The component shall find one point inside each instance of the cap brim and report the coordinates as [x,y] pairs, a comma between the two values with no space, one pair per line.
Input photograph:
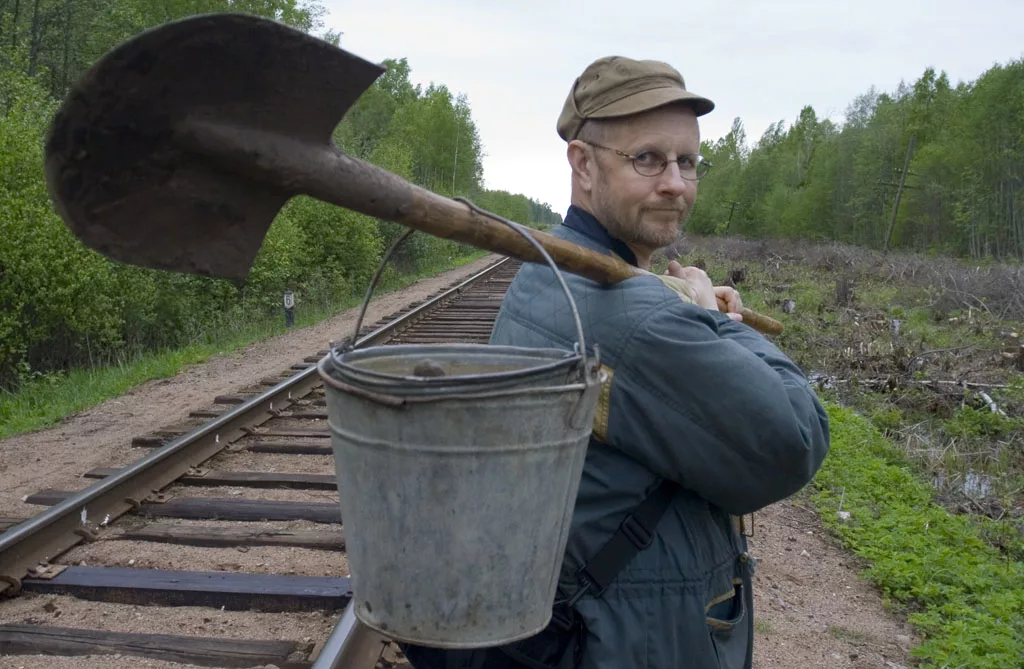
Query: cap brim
[652,99]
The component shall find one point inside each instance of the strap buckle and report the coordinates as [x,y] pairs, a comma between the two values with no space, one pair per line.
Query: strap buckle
[637,534]
[562,617]
[587,583]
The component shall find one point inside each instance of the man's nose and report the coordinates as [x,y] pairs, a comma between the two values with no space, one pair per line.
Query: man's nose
[671,181]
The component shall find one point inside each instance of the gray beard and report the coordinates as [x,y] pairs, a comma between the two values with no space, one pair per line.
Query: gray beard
[631,232]
[638,236]
[635,234]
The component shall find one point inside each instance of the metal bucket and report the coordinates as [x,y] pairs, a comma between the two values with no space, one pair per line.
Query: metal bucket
[457,488]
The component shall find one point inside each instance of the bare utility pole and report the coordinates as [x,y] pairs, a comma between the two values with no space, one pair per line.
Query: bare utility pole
[899,193]
[732,207]
[455,163]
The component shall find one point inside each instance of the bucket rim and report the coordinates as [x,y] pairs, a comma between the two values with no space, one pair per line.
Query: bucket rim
[335,361]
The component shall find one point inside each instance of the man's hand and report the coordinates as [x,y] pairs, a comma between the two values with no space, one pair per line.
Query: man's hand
[717,298]
[729,301]
[703,291]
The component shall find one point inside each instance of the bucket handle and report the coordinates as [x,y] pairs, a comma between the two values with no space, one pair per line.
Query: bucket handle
[590,376]
[350,344]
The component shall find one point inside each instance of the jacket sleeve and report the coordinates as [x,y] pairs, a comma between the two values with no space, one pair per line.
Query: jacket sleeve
[713,405]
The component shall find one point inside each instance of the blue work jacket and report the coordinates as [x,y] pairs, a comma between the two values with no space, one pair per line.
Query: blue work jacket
[693,397]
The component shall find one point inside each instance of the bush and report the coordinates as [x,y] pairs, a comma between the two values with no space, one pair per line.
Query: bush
[55,295]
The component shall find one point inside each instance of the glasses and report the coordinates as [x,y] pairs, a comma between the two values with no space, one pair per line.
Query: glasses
[692,167]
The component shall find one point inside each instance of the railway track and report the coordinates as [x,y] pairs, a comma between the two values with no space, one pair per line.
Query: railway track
[222,546]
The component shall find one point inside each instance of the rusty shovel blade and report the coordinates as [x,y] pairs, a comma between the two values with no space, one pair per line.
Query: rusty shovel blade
[129,189]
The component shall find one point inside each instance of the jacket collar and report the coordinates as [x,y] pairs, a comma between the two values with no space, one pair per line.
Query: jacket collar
[583,222]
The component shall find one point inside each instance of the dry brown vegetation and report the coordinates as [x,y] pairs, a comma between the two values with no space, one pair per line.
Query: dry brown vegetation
[930,348]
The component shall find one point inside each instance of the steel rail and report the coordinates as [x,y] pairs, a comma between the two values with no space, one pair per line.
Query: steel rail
[352,645]
[79,518]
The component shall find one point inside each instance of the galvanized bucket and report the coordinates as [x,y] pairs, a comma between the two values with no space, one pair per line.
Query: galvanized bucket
[457,489]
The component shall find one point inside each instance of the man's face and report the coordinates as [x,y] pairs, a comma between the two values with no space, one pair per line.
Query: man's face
[646,213]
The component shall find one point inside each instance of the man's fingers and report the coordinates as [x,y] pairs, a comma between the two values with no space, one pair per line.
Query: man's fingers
[703,292]
[728,303]
[728,299]
[675,269]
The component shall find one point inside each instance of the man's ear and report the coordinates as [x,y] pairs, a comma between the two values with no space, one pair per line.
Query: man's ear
[582,162]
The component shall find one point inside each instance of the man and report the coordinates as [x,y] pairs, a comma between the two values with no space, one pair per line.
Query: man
[701,421]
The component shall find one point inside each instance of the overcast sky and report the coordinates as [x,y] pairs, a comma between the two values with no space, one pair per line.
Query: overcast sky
[759,60]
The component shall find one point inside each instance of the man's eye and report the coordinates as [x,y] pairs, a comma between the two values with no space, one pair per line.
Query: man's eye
[649,159]
[686,162]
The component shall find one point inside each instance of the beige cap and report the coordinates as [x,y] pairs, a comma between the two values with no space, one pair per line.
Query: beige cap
[617,86]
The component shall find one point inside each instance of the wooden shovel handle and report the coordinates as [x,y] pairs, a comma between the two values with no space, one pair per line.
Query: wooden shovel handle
[760,322]
[604,269]
[326,173]
[574,258]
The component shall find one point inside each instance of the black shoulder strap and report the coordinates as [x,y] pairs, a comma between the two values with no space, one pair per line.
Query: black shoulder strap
[561,643]
[635,533]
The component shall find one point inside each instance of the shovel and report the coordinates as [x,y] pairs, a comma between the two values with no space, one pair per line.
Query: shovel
[179,147]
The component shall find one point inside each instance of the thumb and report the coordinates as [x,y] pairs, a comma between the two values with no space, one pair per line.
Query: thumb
[674,268]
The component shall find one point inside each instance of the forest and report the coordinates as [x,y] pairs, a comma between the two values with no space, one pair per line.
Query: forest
[64,306]
[820,180]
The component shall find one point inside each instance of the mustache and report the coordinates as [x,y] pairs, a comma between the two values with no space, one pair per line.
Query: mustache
[681,209]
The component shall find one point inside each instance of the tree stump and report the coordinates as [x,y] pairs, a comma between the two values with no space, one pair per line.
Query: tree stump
[736,276]
[844,291]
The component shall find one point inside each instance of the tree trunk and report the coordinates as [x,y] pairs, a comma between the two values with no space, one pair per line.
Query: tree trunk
[68,27]
[14,23]
[3,10]
[34,39]
[1016,233]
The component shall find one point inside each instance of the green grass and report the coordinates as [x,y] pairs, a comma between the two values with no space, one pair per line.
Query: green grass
[45,400]
[964,595]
